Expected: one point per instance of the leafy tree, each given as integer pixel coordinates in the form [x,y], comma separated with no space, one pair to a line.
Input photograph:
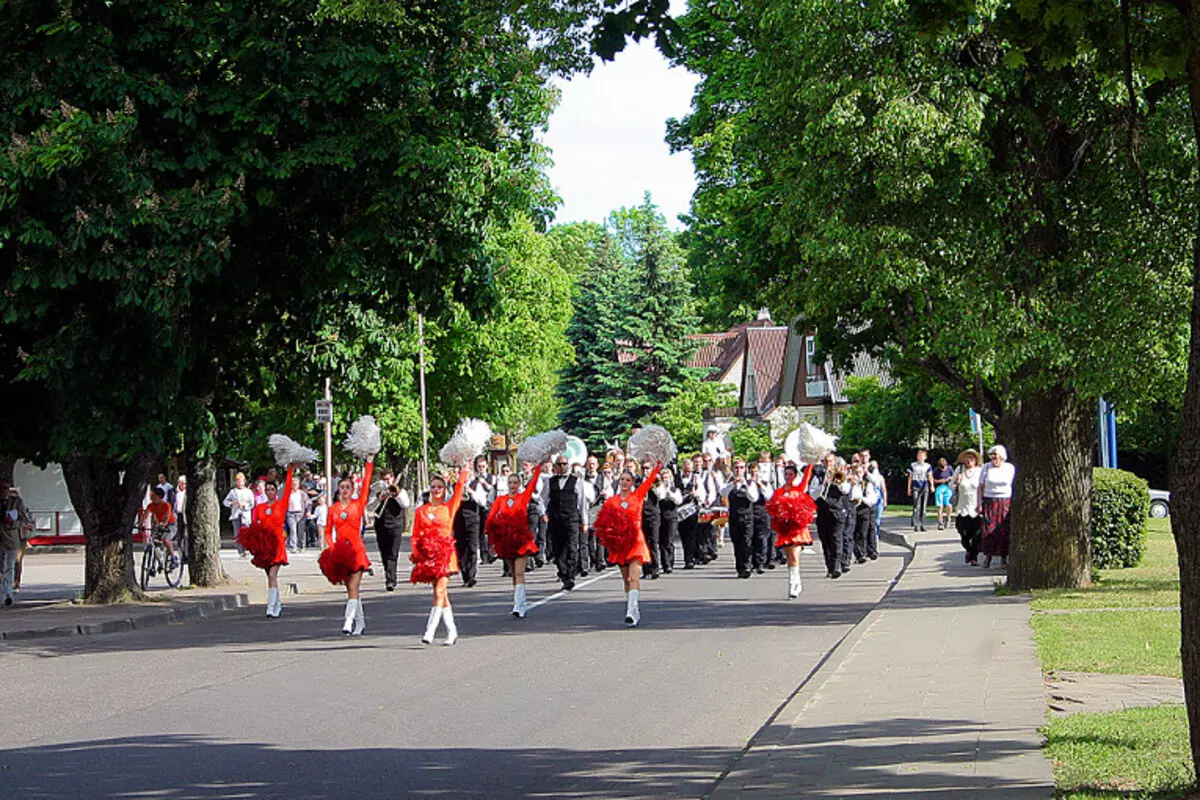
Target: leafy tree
[928,196]
[909,413]
[750,439]
[683,414]
[202,192]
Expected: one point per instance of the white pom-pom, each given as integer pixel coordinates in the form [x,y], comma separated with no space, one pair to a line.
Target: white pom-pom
[815,443]
[652,443]
[363,439]
[536,449]
[470,438]
[288,451]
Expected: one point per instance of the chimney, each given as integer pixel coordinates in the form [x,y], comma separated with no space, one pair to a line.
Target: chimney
[764,315]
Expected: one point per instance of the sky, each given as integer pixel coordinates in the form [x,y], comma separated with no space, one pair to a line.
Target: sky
[608,134]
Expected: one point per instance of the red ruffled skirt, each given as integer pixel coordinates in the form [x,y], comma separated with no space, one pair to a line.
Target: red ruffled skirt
[621,536]
[343,559]
[791,515]
[433,556]
[509,536]
[268,547]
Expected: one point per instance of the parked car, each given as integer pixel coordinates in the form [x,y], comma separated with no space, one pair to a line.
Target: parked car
[1160,503]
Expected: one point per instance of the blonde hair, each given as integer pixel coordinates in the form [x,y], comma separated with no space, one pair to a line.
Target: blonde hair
[240,476]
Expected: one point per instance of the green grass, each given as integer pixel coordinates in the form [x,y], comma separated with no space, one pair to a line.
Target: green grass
[1137,753]
[905,512]
[1154,582]
[1121,642]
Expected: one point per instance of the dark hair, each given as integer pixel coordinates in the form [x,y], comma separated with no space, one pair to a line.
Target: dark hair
[157,492]
[481,458]
[273,484]
[791,467]
[436,477]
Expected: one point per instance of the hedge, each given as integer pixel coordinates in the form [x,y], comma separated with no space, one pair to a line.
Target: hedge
[1120,508]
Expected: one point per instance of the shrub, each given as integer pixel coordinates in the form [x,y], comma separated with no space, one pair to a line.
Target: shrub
[1120,508]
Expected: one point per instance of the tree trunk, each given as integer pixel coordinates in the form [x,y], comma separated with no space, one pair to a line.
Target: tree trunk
[1185,471]
[1049,440]
[204,524]
[108,504]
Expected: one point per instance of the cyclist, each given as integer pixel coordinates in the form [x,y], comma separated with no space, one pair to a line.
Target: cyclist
[160,514]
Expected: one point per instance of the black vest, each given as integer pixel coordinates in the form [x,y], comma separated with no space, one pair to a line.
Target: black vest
[564,502]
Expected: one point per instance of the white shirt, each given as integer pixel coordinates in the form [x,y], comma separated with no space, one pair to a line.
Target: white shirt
[321,516]
[715,447]
[240,502]
[296,501]
[998,481]
[967,501]
[180,501]
[920,471]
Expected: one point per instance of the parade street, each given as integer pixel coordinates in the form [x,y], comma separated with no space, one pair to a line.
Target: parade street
[565,703]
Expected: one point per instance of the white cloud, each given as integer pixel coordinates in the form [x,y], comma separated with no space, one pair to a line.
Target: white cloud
[608,137]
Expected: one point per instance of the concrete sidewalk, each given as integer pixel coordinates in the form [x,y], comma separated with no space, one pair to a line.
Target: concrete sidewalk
[937,693]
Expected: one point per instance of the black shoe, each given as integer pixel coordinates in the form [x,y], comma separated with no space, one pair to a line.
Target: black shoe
[689,566]
[538,563]
[860,560]
[743,574]
[391,587]
[770,565]
[758,570]
[568,584]
[8,601]
[668,571]
[922,529]
[873,556]
[470,584]
[828,573]
[835,574]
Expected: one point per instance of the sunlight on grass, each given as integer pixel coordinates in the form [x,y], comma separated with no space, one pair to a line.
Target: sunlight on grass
[1154,582]
[1122,642]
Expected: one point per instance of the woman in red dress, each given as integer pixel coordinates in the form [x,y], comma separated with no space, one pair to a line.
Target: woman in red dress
[619,529]
[266,540]
[345,557]
[508,532]
[792,512]
[434,556]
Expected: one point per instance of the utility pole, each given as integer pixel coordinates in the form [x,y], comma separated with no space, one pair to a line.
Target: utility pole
[328,457]
[424,472]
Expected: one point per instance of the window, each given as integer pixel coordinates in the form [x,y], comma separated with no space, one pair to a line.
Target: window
[810,351]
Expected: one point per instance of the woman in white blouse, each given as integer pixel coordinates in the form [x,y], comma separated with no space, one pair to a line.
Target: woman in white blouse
[240,502]
[966,503]
[995,500]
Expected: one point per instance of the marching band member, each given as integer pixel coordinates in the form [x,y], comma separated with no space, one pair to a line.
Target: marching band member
[508,531]
[740,495]
[468,523]
[651,525]
[762,550]
[434,555]
[670,498]
[689,511]
[792,512]
[619,528]
[266,539]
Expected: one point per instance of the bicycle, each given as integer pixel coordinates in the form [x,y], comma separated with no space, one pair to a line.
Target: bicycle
[156,560]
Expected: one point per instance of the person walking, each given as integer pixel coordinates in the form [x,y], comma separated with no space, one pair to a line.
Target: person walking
[689,512]
[468,523]
[966,504]
[831,516]
[792,512]
[879,481]
[995,502]
[865,495]
[14,524]
[918,488]
[297,512]
[762,555]
[566,509]
[266,540]
[670,498]
[434,555]
[619,527]
[651,527]
[391,520]
[509,533]
[943,492]
[740,495]
[240,502]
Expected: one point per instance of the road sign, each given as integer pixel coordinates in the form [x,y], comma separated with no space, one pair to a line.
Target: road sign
[976,422]
[325,411]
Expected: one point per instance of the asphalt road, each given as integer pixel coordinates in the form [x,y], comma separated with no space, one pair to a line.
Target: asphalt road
[565,703]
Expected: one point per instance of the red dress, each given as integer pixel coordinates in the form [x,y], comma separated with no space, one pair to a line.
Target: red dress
[507,524]
[792,511]
[345,552]
[619,524]
[433,553]
[265,537]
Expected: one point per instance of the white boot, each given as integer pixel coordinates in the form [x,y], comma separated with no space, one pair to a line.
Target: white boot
[633,614]
[435,619]
[360,618]
[351,611]
[520,607]
[272,601]
[794,581]
[451,628]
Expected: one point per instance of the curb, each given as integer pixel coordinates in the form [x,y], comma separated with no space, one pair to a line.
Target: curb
[212,606]
[766,738]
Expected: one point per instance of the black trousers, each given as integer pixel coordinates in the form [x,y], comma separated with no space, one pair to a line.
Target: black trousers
[763,540]
[666,541]
[538,528]
[688,538]
[651,525]
[706,536]
[466,540]
[829,531]
[741,533]
[846,550]
[563,534]
[583,561]
[968,530]
[866,544]
[389,551]
[597,551]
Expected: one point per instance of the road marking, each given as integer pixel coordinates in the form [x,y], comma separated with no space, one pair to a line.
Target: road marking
[578,586]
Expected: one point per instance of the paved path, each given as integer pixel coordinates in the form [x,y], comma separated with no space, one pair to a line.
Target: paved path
[937,694]
[1078,692]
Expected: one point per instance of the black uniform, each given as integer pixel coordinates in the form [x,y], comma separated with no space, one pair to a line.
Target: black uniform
[565,525]
[669,509]
[846,550]
[651,525]
[831,518]
[391,519]
[741,527]
[865,544]
[707,534]
[762,542]
[468,529]
[689,517]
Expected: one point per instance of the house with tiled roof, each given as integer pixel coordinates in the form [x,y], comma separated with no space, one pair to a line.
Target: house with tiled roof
[774,368]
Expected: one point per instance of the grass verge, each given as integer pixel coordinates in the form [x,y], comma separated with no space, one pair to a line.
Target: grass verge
[1136,753]
[1120,642]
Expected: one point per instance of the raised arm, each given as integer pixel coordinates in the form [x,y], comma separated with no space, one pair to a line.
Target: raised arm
[457,497]
[648,484]
[364,494]
[281,502]
[527,492]
[807,477]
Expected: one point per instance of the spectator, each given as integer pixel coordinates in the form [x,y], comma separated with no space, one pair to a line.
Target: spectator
[918,488]
[240,502]
[966,503]
[714,445]
[159,514]
[297,515]
[180,505]
[995,501]
[877,479]
[260,491]
[15,525]
[943,492]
